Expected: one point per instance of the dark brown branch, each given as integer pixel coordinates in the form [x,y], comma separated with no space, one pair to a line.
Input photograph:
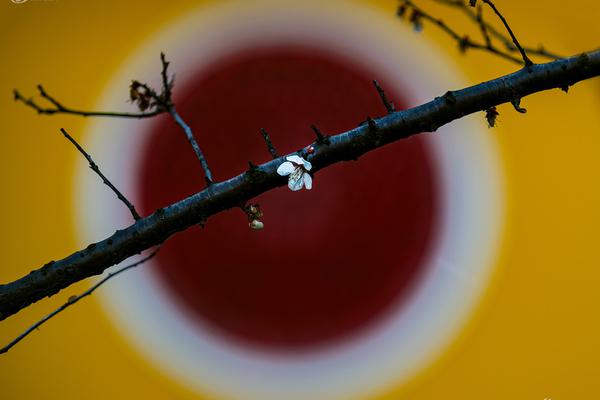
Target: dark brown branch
[321,138]
[270,146]
[483,28]
[389,106]
[105,180]
[147,98]
[526,59]
[60,109]
[164,101]
[464,42]
[190,137]
[158,227]
[74,299]
[506,40]
[167,83]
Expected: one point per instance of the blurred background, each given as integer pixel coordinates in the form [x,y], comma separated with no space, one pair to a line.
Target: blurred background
[457,265]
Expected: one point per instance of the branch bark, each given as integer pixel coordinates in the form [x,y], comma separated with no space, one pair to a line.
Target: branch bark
[158,227]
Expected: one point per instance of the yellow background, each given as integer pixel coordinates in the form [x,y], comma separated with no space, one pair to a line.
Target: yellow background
[534,335]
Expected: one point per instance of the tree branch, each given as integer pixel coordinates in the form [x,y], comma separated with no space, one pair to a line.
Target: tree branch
[389,106]
[269,144]
[526,59]
[74,299]
[60,109]
[164,101]
[508,44]
[463,41]
[190,137]
[350,145]
[105,180]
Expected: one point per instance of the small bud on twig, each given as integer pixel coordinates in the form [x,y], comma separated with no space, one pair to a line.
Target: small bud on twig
[491,114]
[416,20]
[402,10]
[256,225]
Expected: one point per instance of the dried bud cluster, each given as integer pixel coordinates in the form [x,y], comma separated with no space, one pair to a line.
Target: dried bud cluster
[491,114]
[254,214]
[143,96]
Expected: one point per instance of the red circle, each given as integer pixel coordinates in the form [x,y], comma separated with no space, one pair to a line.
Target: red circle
[330,261]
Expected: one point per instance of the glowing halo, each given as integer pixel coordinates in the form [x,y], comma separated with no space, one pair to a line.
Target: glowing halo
[408,339]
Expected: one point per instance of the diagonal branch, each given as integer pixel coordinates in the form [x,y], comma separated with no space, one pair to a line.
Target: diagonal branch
[350,145]
[526,59]
[389,106]
[164,101]
[190,137]
[463,41]
[269,143]
[144,96]
[105,180]
[508,44]
[74,299]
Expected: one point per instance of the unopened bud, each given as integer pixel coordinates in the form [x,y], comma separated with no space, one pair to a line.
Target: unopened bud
[256,225]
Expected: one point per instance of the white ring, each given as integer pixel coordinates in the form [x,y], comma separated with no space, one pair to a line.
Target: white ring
[409,338]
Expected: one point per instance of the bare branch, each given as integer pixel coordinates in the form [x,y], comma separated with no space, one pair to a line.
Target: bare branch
[158,227]
[463,41]
[60,109]
[105,180]
[526,59]
[270,146]
[321,138]
[506,40]
[483,27]
[190,137]
[166,82]
[145,96]
[389,106]
[74,299]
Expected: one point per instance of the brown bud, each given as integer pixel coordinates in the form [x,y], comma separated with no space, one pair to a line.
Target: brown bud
[491,114]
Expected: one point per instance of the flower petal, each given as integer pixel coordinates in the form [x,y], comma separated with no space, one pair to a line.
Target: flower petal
[295,159]
[285,168]
[307,181]
[307,165]
[296,180]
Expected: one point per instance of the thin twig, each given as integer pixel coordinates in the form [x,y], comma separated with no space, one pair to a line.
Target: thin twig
[526,59]
[96,169]
[389,106]
[61,109]
[321,138]
[165,101]
[166,82]
[160,102]
[483,27]
[74,299]
[190,137]
[540,51]
[270,146]
[464,42]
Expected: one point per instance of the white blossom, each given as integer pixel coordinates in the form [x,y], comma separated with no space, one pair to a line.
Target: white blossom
[297,168]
